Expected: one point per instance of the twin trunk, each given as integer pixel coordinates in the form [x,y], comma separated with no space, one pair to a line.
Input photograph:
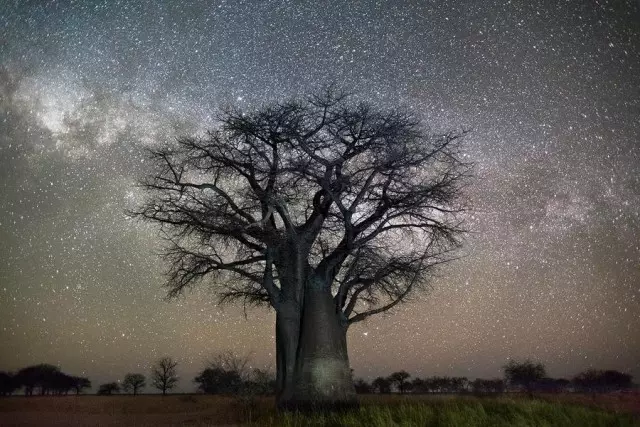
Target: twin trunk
[311,350]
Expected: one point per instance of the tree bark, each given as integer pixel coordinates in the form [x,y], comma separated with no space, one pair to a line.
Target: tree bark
[311,352]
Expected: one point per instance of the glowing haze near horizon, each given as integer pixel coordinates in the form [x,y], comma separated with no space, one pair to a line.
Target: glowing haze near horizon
[551,269]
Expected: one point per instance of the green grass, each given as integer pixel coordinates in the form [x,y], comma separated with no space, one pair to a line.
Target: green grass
[460,413]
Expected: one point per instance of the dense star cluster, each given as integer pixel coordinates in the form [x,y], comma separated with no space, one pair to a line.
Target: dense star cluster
[550,269]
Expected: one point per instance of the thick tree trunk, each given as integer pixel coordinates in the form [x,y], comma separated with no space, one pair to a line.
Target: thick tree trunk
[312,360]
[287,334]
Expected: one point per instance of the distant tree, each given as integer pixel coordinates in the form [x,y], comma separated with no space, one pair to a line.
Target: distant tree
[562,384]
[42,377]
[482,386]
[60,383]
[458,384]
[615,380]
[381,385]
[228,361]
[133,383]
[551,385]
[443,385]
[524,374]
[108,389]
[362,387]
[419,386]
[598,381]
[80,384]
[225,373]
[399,379]
[215,380]
[163,374]
[8,383]
[260,382]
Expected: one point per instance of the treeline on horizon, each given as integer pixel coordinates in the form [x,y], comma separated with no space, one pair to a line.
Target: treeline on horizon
[229,374]
[525,376]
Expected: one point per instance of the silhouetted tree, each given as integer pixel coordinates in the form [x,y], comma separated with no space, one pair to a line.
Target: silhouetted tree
[482,386]
[524,374]
[108,389]
[214,380]
[381,385]
[458,384]
[60,383]
[80,384]
[133,383]
[227,373]
[362,387]
[418,386]
[615,380]
[8,383]
[598,381]
[399,379]
[42,377]
[164,375]
[260,382]
[345,207]
[551,385]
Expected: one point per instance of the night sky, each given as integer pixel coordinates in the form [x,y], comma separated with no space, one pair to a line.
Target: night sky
[551,90]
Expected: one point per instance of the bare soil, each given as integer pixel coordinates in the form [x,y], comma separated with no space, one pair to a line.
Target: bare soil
[203,410]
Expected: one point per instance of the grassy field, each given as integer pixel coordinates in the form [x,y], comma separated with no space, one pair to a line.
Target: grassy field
[199,410]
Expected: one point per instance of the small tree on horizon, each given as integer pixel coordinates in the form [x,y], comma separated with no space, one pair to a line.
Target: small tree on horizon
[524,374]
[362,386]
[381,385]
[8,383]
[399,379]
[81,383]
[108,389]
[163,374]
[133,383]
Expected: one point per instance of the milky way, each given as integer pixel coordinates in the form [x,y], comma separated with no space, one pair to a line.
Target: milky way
[550,269]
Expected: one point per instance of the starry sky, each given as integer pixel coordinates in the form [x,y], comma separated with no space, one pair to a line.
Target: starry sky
[551,90]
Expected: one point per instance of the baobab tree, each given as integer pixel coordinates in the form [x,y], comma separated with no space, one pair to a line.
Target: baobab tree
[327,210]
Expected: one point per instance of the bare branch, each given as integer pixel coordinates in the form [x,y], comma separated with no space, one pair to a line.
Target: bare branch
[347,192]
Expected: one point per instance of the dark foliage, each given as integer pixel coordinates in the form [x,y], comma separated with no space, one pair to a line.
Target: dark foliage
[482,386]
[551,385]
[80,384]
[45,379]
[440,385]
[108,389]
[381,385]
[399,379]
[133,383]
[227,373]
[218,381]
[602,381]
[8,383]
[362,387]
[524,374]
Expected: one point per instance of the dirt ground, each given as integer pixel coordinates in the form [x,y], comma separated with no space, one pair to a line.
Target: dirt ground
[142,411]
[201,410]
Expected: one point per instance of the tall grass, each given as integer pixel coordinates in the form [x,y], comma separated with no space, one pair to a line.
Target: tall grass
[460,413]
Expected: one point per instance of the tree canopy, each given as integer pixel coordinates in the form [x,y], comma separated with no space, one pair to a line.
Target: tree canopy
[370,192]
